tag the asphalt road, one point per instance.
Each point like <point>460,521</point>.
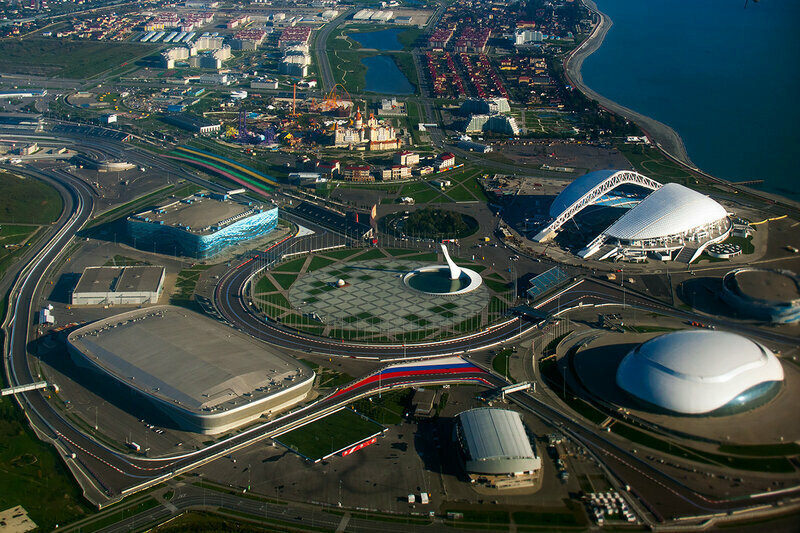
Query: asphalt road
<point>588,291</point>
<point>321,50</point>
<point>110,474</point>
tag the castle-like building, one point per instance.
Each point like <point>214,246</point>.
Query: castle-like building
<point>376,135</point>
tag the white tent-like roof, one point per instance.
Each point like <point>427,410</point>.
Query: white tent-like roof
<point>696,372</point>
<point>496,442</point>
<point>671,210</point>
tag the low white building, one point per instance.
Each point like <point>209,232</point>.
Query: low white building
<point>109,285</point>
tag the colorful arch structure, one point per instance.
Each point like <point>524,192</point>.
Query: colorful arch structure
<point>588,190</point>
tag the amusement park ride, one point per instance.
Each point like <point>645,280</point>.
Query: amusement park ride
<point>333,101</point>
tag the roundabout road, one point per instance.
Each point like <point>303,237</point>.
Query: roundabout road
<point>232,303</point>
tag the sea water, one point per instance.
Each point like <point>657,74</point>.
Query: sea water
<point>724,77</point>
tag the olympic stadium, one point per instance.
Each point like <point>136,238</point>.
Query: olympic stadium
<point>205,376</point>
<point>763,294</point>
<point>201,225</point>
<point>668,221</point>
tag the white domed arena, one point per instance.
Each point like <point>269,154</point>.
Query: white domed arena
<point>668,221</point>
<point>701,373</point>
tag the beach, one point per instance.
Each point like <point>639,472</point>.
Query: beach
<point>659,133</point>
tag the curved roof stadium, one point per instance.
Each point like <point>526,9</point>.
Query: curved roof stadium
<point>495,442</point>
<point>671,210</point>
<point>577,189</point>
<point>701,372</point>
<point>206,376</point>
<point>671,219</point>
<point>588,190</point>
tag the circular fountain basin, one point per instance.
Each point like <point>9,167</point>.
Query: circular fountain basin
<point>436,280</point>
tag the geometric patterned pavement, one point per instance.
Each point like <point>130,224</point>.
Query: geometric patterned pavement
<point>376,300</point>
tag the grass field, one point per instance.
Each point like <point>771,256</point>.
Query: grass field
<point>14,235</point>
<point>329,434</point>
<point>27,201</point>
<point>500,362</point>
<point>348,69</point>
<point>187,280</point>
<point>284,280</point>
<point>388,408</point>
<point>33,475</point>
<point>549,121</point>
<point>652,163</point>
<point>66,59</point>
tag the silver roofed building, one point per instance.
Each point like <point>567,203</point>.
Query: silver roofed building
<point>699,372</point>
<point>670,222</point>
<point>110,285</point>
<point>496,447</point>
<point>207,377</point>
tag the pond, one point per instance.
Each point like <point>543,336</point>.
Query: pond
<point>379,40</point>
<point>383,76</point>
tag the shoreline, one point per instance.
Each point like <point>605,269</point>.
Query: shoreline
<point>663,137</point>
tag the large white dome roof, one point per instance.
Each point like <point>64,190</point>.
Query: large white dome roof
<point>670,210</point>
<point>695,372</point>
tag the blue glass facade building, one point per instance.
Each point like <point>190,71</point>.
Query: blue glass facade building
<point>153,235</point>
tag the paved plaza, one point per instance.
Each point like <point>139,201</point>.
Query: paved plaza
<point>375,299</point>
<point>374,304</point>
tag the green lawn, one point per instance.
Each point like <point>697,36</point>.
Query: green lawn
<point>425,195</point>
<point>187,281</point>
<point>27,201</point>
<point>14,235</point>
<point>460,194</point>
<point>318,262</point>
<point>500,362</point>
<point>374,253</point>
<point>33,474</point>
<point>292,266</point>
<point>652,163</point>
<point>284,280</point>
<point>67,59</point>
<point>265,285</point>
<point>329,434</point>
<point>341,254</point>
<point>348,69</point>
<point>388,408</point>
<point>477,191</point>
<point>121,260</point>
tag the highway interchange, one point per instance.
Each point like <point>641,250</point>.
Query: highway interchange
<point>106,475</point>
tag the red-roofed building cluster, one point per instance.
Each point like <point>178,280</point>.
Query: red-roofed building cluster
<point>294,35</point>
<point>473,40</point>
<point>483,76</point>
<point>439,38</point>
<point>444,77</point>
<point>238,21</point>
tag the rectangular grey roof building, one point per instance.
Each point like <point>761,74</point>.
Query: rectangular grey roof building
<point>110,285</point>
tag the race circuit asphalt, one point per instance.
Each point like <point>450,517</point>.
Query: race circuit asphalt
<point>115,474</point>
